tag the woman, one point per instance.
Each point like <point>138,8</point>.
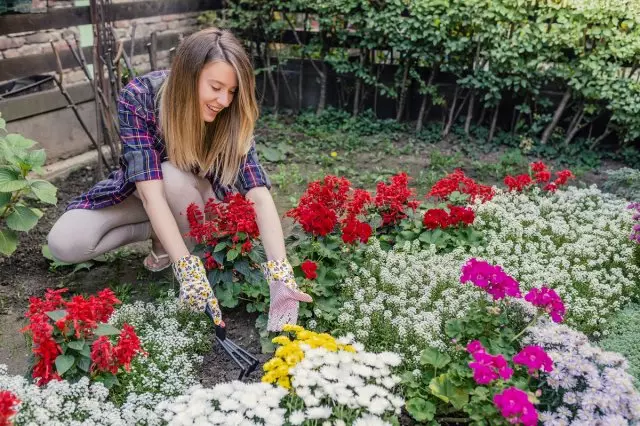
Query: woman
<point>187,136</point>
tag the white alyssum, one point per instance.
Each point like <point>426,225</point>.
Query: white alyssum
<point>344,386</point>
<point>594,386</point>
<point>574,241</point>
<point>401,299</point>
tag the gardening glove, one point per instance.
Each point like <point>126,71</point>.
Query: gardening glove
<point>195,290</point>
<point>285,296</point>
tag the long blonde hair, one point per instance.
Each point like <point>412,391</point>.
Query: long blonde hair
<point>220,146</point>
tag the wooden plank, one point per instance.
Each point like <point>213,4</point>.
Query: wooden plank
<point>72,16</point>
<point>46,62</point>
<point>42,102</point>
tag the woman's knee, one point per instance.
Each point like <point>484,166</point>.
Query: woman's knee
<point>178,184</point>
<point>66,244</point>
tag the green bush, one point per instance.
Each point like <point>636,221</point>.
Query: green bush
<point>624,182</point>
<point>624,337</point>
<point>18,191</point>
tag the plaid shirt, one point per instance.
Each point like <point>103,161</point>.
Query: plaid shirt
<point>144,151</point>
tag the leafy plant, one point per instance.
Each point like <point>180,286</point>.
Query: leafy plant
<point>18,190</point>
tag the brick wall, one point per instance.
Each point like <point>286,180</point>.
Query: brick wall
<point>31,43</point>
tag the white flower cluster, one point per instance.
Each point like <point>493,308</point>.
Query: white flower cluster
<point>171,366</point>
<point>346,386</point>
<point>593,384</point>
<point>333,388</point>
<point>169,369</point>
<point>400,300</point>
<point>61,403</point>
<point>233,403</point>
<point>575,241</point>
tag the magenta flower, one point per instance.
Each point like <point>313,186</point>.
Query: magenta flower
<point>475,346</point>
<point>514,406</point>
<point>547,299</point>
<point>486,367</point>
<point>534,358</point>
<point>490,278</point>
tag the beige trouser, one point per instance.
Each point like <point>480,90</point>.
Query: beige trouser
<point>82,234</point>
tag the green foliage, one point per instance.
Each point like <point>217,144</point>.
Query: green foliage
<point>624,337</point>
<point>624,182</point>
<point>19,191</point>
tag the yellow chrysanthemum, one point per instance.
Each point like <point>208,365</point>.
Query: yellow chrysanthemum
<point>292,328</point>
<point>281,340</point>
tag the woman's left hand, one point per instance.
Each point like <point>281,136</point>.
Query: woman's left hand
<point>285,296</point>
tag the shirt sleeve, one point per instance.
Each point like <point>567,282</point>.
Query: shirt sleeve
<point>251,174</point>
<point>140,159</point>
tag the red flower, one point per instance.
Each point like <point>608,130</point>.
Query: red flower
<point>354,230</point>
<point>317,218</point>
<point>435,218</point>
<point>392,200</point>
<point>542,176</point>
<point>102,356</point>
<point>563,176</point>
<point>461,215</point>
<point>128,346</point>
<point>7,409</point>
<point>209,262</point>
<point>457,181</point>
<point>517,183</point>
<point>538,166</point>
<point>358,202</point>
<point>246,247</point>
<point>220,220</point>
<point>309,268</point>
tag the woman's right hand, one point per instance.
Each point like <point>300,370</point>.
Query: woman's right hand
<point>195,290</point>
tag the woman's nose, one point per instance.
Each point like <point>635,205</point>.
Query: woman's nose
<point>224,100</point>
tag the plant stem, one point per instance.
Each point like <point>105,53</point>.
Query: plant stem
<point>533,321</point>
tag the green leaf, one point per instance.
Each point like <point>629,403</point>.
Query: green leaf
<point>84,363</point>
<point>106,330</point>
<point>220,247</point>
<point>271,154</point>
<point>11,181</point>
<point>64,363</point>
<point>23,218</point>
<point>19,142</point>
<point>430,356</point>
<point>57,315</point>
<point>108,380</point>
<point>227,295</point>
<point>243,267</point>
<point>45,191</point>
<point>232,254</point>
<point>36,158</point>
<point>78,345</point>
<point>5,197</point>
<point>408,235</point>
<point>8,241</point>
<point>442,387</point>
<point>420,409</point>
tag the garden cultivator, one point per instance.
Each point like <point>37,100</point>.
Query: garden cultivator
<point>247,362</point>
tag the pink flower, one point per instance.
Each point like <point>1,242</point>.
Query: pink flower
<point>475,346</point>
<point>486,367</point>
<point>491,278</point>
<point>547,299</point>
<point>514,406</point>
<point>535,358</point>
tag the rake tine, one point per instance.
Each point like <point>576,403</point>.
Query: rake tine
<point>230,352</point>
<point>253,361</point>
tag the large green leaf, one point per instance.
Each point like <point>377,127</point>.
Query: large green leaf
<point>57,315</point>
<point>106,330</point>
<point>5,197</point>
<point>23,218</point>
<point>8,241</point>
<point>19,142</point>
<point>36,158</point>
<point>10,180</point>
<point>78,345</point>
<point>45,191</point>
<point>64,363</point>
<point>420,409</point>
<point>442,387</point>
<point>437,359</point>
<point>84,363</point>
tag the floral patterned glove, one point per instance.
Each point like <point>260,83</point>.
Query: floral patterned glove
<point>195,290</point>
<point>283,308</point>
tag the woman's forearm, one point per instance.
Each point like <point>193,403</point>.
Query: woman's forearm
<point>164,224</point>
<point>268,222</point>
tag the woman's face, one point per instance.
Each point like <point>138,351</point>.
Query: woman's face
<point>216,89</point>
